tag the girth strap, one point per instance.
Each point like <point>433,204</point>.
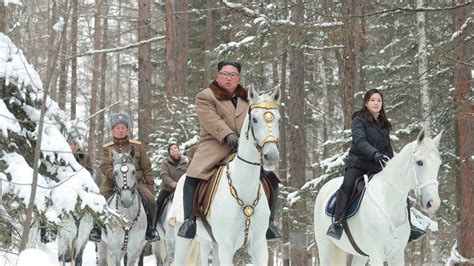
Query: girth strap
<point>351,238</point>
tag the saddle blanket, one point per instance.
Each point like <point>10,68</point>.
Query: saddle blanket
<point>355,200</point>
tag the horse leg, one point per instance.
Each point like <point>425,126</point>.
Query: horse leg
<point>102,253</point>
<point>204,250</point>
<point>79,252</point>
<point>325,249</point>
<point>215,254</point>
<point>226,253</point>
<point>259,251</point>
<point>359,261</point>
<point>182,247</point>
<point>398,259</point>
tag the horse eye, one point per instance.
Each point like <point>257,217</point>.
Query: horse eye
<point>254,120</point>
<point>419,163</point>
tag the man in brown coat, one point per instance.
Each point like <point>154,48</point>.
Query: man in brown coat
<point>119,124</point>
<point>221,110</point>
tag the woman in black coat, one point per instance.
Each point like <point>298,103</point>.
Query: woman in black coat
<point>370,150</point>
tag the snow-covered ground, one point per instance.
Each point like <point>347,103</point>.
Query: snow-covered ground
<point>47,254</point>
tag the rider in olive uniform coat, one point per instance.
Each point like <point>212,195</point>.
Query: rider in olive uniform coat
<point>119,124</point>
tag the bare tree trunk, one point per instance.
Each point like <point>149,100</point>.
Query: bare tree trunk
<point>118,84</point>
<point>349,58</point>
<point>423,68</point>
<point>463,84</point>
<point>95,82</point>
<point>52,36</point>
<point>208,44</point>
<point>74,59</point>
<point>50,81</point>
<point>176,47</point>
<point>144,72</point>
<point>62,90</point>
<point>3,18</point>
<point>103,79</point>
<point>34,183</point>
<point>297,132</point>
<point>283,151</point>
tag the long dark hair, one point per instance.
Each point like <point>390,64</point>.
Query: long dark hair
<point>366,116</point>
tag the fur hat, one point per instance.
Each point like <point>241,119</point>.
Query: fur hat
<point>119,118</point>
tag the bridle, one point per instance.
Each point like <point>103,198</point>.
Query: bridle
<point>268,116</point>
<point>418,187</point>
<point>124,171</point>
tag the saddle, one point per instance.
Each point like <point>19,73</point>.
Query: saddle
<point>206,189</point>
<point>354,201</point>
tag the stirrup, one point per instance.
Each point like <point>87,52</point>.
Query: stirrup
<point>188,229</point>
<point>272,232</point>
<point>416,233</point>
<point>152,235</point>
<point>335,230</point>
<point>95,235</point>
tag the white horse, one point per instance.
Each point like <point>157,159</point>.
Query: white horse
<point>129,240</point>
<point>73,235</point>
<point>240,211</point>
<point>381,228</point>
<point>164,248</point>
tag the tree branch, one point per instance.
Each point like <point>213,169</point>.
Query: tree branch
<point>117,49</point>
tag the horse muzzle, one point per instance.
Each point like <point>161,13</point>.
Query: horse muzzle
<point>126,198</point>
<point>270,156</point>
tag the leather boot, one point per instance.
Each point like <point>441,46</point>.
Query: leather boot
<point>151,233</point>
<point>95,234</point>
<point>335,229</point>
<point>188,228</point>
<point>272,231</point>
<point>415,232</point>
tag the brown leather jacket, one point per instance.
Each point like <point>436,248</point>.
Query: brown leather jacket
<point>144,174</point>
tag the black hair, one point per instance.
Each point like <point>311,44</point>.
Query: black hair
<point>170,145</point>
<point>365,115</point>
<point>235,64</point>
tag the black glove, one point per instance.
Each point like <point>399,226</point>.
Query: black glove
<point>380,158</point>
<point>232,140</point>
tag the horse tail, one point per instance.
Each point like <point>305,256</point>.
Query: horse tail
<point>193,253</point>
<point>338,256</point>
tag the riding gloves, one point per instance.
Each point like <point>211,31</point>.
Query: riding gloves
<point>232,140</point>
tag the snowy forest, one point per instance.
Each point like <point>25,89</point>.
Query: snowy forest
<point>66,65</point>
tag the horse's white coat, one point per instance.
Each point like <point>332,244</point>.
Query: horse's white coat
<point>385,205</point>
<point>69,232</point>
<point>226,216</point>
<point>110,249</point>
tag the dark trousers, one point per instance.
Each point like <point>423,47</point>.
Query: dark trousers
<point>150,210</point>
<point>350,177</point>
<point>160,200</point>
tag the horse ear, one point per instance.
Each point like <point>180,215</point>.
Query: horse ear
<point>253,95</point>
<point>421,136</point>
<point>276,95</point>
<point>437,139</point>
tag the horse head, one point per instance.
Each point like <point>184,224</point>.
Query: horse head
<point>263,124</point>
<point>124,174</point>
<point>426,162</point>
